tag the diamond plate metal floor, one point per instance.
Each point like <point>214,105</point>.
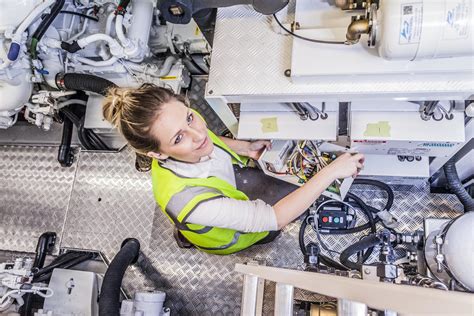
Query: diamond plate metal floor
<point>102,199</point>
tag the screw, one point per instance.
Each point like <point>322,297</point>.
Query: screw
<point>210,92</point>
<point>367,271</point>
<point>287,72</point>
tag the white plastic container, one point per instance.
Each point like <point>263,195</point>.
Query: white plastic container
<point>425,29</point>
<point>145,304</point>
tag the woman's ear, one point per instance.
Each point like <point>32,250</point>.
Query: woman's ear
<point>156,155</point>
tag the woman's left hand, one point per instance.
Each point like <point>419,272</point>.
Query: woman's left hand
<point>256,148</point>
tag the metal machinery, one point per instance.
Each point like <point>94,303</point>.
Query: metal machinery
<point>378,77</point>
<point>126,43</point>
<point>391,79</point>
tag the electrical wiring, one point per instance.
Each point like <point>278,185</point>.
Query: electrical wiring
<point>7,298</point>
<point>306,38</point>
<point>307,160</point>
<point>93,18</point>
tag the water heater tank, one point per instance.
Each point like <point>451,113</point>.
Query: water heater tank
<point>449,252</point>
<point>424,29</point>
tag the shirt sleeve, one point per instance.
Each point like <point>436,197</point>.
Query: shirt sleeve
<point>245,216</point>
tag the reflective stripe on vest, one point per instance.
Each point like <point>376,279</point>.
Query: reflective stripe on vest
<point>179,201</point>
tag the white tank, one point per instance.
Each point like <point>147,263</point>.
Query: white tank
<point>425,29</point>
<point>14,12</point>
<point>457,249</point>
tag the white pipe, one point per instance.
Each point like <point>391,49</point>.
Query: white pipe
<point>119,31</point>
<point>167,64</point>
<point>71,101</point>
<point>94,63</point>
<point>142,16</point>
<point>108,24</point>
<point>83,42</point>
<point>84,26</point>
<point>29,19</point>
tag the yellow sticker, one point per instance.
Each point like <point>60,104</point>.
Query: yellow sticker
<point>380,129</point>
<point>269,125</point>
<point>197,31</point>
<point>169,78</point>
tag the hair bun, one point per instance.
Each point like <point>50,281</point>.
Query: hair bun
<point>116,102</point>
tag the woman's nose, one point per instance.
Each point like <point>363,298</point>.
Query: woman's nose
<point>197,136</point>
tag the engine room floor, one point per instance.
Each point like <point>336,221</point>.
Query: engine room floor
<point>102,200</point>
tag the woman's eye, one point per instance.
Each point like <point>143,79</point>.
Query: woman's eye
<point>178,139</point>
<point>190,118</point>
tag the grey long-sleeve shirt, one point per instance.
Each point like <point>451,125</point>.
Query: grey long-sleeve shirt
<point>246,216</point>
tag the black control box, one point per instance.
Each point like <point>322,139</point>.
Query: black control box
<point>335,216</point>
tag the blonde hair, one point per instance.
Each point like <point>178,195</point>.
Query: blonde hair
<point>133,110</point>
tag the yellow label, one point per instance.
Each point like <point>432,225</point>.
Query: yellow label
<point>169,78</point>
<point>269,125</point>
<point>197,31</point>
<point>380,129</point>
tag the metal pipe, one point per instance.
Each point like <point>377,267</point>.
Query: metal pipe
<point>352,308</point>
<point>249,295</point>
<point>284,299</point>
<point>356,29</point>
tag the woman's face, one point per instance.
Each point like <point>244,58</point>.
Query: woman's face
<point>182,134</point>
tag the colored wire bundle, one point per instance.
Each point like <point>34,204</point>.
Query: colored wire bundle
<point>307,160</point>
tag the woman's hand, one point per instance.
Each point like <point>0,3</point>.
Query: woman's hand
<point>255,148</point>
<point>345,166</point>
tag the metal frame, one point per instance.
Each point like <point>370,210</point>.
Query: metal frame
<point>403,299</point>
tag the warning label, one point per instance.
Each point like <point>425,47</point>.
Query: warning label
<point>411,23</point>
<point>457,19</point>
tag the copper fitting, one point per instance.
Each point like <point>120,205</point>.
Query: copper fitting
<point>343,4</point>
<point>356,29</point>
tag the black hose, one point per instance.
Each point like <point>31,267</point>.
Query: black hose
<point>74,261</point>
<point>88,138</point>
<point>322,258</point>
<point>456,187</point>
<point>303,226</point>
<point>98,143</point>
<point>328,262</point>
<point>72,81</point>
<point>78,122</point>
<point>109,301</point>
<point>366,243</point>
<point>45,244</point>
<point>65,154</point>
<point>61,260</point>
<point>44,25</point>
<point>382,186</point>
<point>93,18</point>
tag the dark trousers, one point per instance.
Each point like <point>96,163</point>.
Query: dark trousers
<point>257,185</point>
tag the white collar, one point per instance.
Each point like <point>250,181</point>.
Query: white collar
<point>199,169</point>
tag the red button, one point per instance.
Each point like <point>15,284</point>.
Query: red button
<point>325,219</point>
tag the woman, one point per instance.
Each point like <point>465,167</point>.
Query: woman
<point>193,176</point>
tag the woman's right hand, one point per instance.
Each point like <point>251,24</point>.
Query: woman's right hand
<point>346,165</point>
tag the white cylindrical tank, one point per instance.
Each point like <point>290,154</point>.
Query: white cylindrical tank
<point>456,249</point>
<point>14,12</point>
<point>425,29</point>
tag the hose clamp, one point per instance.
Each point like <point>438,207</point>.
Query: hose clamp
<point>60,81</point>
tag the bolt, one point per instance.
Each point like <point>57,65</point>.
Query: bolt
<point>288,73</point>
<point>367,271</point>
